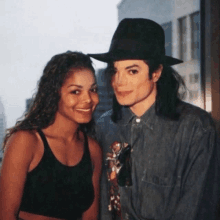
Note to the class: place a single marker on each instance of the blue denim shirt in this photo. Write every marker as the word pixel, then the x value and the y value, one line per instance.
pixel 174 164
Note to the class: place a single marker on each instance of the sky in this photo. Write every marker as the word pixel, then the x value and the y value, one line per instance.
pixel 32 31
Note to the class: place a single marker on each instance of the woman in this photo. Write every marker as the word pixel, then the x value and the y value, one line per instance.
pixel 51 169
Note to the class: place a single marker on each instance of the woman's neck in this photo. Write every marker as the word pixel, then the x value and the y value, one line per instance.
pixel 65 129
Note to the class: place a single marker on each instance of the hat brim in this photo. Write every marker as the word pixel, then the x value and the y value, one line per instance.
pixel 111 57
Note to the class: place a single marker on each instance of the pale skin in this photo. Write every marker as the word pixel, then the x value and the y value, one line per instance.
pixel 25 149
pixel 132 85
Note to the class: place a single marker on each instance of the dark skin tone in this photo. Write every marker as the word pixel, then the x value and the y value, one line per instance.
pixel 78 100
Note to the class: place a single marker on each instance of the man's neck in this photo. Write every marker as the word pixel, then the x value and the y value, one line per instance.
pixel 141 107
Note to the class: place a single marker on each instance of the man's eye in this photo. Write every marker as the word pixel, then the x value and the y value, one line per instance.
pixel 113 71
pixel 133 72
pixel 75 92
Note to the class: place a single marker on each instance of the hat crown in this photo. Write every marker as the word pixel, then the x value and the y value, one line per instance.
pixel 139 29
pixel 137 38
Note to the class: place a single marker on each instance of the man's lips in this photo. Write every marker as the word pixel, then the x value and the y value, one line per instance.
pixel 123 93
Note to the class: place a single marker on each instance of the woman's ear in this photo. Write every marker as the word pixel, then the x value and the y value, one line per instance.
pixel 157 73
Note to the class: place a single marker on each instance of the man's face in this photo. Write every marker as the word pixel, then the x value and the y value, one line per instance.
pixel 133 86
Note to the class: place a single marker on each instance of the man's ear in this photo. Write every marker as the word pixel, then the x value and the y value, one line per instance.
pixel 157 73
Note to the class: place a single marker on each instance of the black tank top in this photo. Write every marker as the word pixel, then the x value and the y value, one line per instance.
pixel 55 190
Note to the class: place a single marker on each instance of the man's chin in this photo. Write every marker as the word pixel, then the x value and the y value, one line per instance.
pixel 125 102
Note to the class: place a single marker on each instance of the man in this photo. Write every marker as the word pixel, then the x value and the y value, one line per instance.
pixel 160 153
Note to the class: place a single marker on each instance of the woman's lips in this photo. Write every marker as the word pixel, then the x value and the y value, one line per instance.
pixel 84 110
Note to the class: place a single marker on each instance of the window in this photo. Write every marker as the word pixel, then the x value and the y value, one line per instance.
pixel 183 42
pixel 195 45
pixel 168 37
pixel 193 95
pixel 194 78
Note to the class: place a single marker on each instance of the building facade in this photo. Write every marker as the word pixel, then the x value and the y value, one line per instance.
pixel 28 103
pixel 105 94
pixel 180 20
pixel 2 127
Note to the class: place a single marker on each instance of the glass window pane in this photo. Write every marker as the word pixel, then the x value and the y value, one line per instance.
pixel 168 37
pixel 195 44
pixel 182 39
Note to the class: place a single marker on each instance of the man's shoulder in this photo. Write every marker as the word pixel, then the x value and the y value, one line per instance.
pixel 104 122
pixel 194 114
pixel 105 117
pixel 105 128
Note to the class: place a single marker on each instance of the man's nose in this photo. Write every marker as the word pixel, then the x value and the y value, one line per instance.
pixel 120 79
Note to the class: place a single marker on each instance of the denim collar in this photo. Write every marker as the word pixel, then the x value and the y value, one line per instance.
pixel 148 118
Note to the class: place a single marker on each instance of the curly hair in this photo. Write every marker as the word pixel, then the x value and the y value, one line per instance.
pixel 168 94
pixel 42 111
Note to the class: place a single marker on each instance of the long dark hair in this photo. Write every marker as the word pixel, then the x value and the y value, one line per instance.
pixel 44 106
pixel 168 94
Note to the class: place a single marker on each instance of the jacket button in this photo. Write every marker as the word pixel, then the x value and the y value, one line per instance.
pixel 138 120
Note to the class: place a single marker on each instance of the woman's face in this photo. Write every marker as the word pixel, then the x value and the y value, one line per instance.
pixel 79 96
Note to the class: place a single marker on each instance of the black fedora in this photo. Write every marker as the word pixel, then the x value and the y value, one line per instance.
pixel 137 38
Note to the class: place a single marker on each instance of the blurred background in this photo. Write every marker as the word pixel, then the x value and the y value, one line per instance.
pixel 34 31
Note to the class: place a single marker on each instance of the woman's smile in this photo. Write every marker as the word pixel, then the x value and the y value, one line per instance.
pixel 88 110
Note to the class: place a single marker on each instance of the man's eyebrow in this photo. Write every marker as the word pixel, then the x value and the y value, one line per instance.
pixel 134 65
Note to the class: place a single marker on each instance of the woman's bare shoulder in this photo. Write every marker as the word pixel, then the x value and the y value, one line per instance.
pixel 93 144
pixel 23 136
pixel 23 141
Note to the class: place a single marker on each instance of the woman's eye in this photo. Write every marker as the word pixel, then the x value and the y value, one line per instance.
pixel 95 90
pixel 75 92
pixel 133 71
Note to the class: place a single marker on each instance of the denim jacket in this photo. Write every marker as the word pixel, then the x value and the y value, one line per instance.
pixel 174 165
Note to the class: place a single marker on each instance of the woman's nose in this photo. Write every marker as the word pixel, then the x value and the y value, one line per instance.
pixel 87 97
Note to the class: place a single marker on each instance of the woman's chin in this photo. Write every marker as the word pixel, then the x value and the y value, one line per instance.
pixel 85 120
